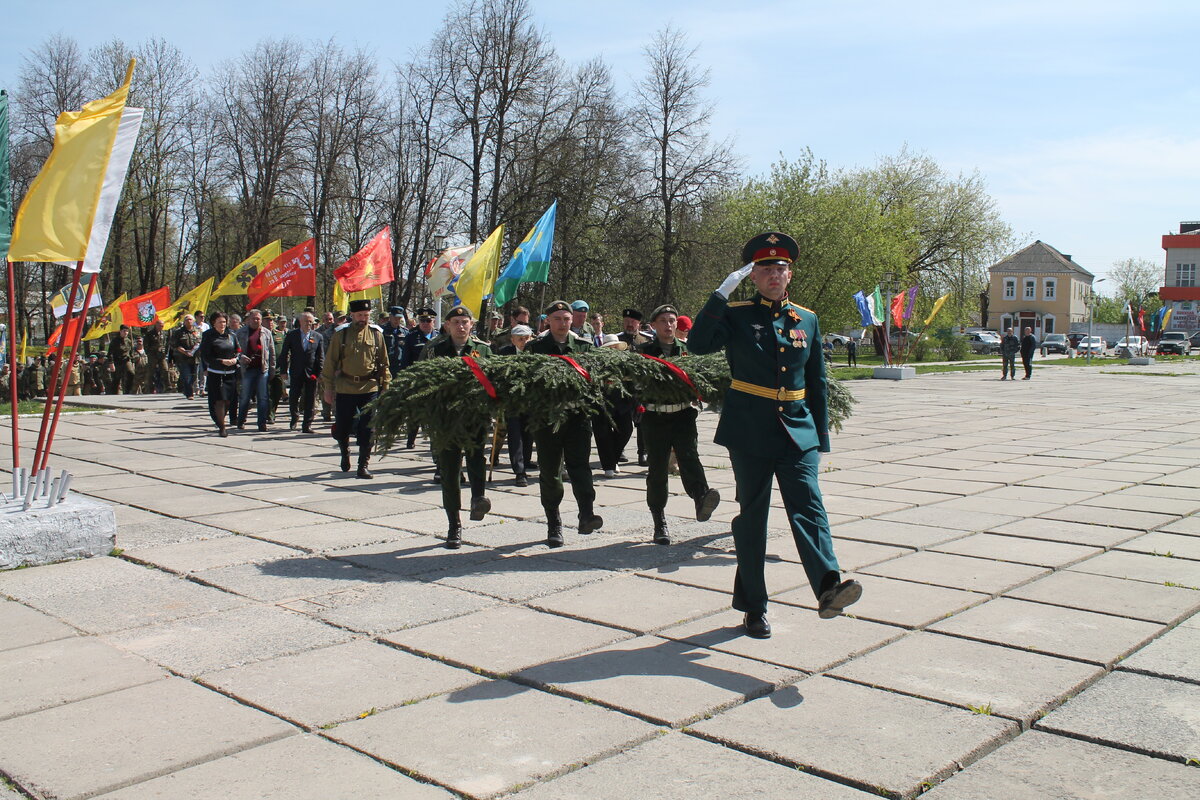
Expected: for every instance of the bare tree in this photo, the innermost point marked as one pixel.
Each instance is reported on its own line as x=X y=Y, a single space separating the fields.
x=1135 y=278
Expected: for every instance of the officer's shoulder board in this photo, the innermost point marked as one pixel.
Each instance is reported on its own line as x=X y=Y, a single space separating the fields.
x=374 y=326
x=342 y=327
x=802 y=308
x=741 y=303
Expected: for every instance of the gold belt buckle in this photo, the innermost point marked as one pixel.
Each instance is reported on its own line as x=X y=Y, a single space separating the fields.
x=781 y=394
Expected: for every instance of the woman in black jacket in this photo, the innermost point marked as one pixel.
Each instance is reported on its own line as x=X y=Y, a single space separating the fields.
x=219 y=350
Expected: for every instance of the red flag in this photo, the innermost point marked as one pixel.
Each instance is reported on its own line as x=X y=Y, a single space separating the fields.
x=141 y=310
x=72 y=330
x=293 y=274
x=898 y=309
x=370 y=266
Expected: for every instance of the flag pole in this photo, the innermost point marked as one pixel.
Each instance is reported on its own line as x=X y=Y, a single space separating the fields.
x=62 y=392
x=53 y=382
x=12 y=363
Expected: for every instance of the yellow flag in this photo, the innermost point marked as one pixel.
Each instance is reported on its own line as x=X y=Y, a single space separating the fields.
x=195 y=300
x=238 y=278
x=24 y=343
x=341 y=300
x=479 y=275
x=65 y=200
x=110 y=320
x=937 y=306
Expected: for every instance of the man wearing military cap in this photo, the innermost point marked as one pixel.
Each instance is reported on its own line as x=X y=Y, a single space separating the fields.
x=394 y=336
x=354 y=373
x=572 y=442
x=672 y=427
x=416 y=339
x=625 y=414
x=774 y=424
x=457 y=343
x=579 y=323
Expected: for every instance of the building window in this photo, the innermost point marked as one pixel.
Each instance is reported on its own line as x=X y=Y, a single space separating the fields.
x=1005 y=323
x=1010 y=288
x=1051 y=288
x=1185 y=274
x=1048 y=323
x=1030 y=288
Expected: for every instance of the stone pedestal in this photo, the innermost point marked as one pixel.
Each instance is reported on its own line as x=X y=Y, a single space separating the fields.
x=78 y=527
x=894 y=373
x=1141 y=361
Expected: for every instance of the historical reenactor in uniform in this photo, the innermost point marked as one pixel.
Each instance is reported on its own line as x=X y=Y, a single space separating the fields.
x=120 y=356
x=355 y=372
x=458 y=343
x=301 y=360
x=276 y=387
x=417 y=338
x=141 y=367
x=572 y=442
x=185 y=342
x=394 y=335
x=774 y=424
x=154 y=341
x=672 y=427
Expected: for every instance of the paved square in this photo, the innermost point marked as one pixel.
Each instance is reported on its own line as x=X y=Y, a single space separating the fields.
x=1014 y=562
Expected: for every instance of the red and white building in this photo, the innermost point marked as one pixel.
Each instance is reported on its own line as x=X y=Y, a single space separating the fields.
x=1180 y=290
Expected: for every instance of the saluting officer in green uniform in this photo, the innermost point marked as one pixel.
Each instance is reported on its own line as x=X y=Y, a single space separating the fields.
x=774 y=424
x=355 y=372
x=458 y=343
x=667 y=427
x=572 y=442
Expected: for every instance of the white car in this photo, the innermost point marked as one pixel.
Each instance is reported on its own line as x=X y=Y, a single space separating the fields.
x=1137 y=345
x=1091 y=344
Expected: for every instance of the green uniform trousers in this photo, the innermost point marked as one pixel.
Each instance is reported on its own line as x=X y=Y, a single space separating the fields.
x=663 y=433
x=571 y=443
x=449 y=463
x=796 y=473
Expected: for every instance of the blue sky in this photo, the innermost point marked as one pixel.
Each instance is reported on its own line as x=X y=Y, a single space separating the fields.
x=1080 y=116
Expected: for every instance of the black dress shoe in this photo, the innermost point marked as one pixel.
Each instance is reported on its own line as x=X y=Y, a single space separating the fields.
x=756 y=625
x=706 y=504
x=554 y=536
x=589 y=523
x=480 y=506
x=292 y=425
x=364 y=473
x=521 y=480
x=454 y=536
x=306 y=429
x=833 y=601
x=642 y=462
x=622 y=459
x=345 y=465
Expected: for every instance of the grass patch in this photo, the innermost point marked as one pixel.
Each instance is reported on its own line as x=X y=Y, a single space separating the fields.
x=27 y=408
x=985 y=709
x=859 y=373
x=1145 y=374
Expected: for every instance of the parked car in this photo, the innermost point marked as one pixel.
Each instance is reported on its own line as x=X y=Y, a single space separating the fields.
x=1175 y=342
x=1195 y=339
x=1054 y=343
x=836 y=339
x=1092 y=344
x=984 y=342
x=1136 y=346
x=1074 y=337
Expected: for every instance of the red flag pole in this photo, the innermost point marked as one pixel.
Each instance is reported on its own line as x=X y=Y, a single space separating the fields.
x=52 y=384
x=62 y=392
x=12 y=363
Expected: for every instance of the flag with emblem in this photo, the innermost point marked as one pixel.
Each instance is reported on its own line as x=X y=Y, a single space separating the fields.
x=370 y=266
x=71 y=331
x=293 y=274
x=446 y=268
x=238 y=279
x=58 y=303
x=530 y=262
x=195 y=300
x=140 y=311
x=479 y=275
x=110 y=320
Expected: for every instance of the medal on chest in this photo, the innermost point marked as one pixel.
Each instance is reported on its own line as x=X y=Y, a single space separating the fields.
x=758 y=330
x=798 y=338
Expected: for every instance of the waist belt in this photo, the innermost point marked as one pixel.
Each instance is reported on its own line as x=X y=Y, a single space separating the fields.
x=667 y=409
x=359 y=378
x=212 y=371
x=767 y=391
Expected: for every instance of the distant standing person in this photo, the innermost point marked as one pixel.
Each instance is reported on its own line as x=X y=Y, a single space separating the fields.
x=1009 y=346
x=1028 y=345
x=851 y=353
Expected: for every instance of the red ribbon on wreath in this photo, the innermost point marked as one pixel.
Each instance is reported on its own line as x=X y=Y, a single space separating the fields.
x=574 y=364
x=677 y=372
x=479 y=376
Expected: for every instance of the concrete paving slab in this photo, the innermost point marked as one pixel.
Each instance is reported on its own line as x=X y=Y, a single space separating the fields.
x=202 y=554
x=230 y=638
x=256 y=521
x=422 y=556
x=1142 y=567
x=104 y=743
x=662 y=681
x=801 y=639
x=1136 y=712
x=1172 y=655
x=44 y=675
x=1132 y=502
x=873 y=739
x=186 y=503
x=851 y=554
x=429 y=521
x=677 y=765
x=1012 y=683
x=1066 y=532
x=295 y=768
x=1188 y=525
x=946 y=485
x=387 y=607
x=619 y=554
x=30 y=585
x=494 y=737
x=936 y=516
x=896 y=602
x=989 y=505
x=716 y=571
x=1093 y=515
x=635 y=603
x=503 y=639
x=364 y=505
x=957 y=572
x=1108 y=595
x=1035 y=552
x=338 y=683
x=1172 y=545
x=1053 y=630
x=24 y=626
x=289 y=578
x=515 y=578
x=1037 y=766
x=1188 y=477
x=900 y=534
x=334 y=536
x=1020 y=494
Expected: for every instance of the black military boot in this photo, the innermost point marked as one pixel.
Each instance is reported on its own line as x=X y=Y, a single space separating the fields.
x=364 y=458
x=480 y=506
x=554 y=534
x=706 y=504
x=454 y=531
x=589 y=522
x=661 y=535
x=345 y=446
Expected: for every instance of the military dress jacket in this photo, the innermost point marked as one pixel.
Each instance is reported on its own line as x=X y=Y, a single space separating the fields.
x=357 y=361
x=774 y=352
x=655 y=348
x=546 y=345
x=474 y=347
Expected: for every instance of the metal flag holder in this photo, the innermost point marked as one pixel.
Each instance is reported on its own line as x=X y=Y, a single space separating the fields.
x=30 y=488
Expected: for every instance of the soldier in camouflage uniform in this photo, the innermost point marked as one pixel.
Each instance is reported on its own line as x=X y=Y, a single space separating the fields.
x=141 y=368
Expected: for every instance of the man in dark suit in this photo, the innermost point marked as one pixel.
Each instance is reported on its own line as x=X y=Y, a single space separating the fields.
x=1028 y=345
x=774 y=424
x=302 y=359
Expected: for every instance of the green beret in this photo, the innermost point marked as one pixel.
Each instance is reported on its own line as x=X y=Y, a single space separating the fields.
x=459 y=311
x=663 y=309
x=557 y=305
